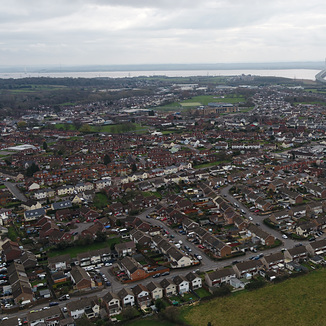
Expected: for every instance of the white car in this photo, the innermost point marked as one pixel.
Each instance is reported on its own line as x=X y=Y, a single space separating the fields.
x=250 y=218
x=284 y=236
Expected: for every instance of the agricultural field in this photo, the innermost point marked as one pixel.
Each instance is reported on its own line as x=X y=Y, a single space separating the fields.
x=296 y=301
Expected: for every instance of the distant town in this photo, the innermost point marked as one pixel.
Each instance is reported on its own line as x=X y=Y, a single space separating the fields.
x=121 y=198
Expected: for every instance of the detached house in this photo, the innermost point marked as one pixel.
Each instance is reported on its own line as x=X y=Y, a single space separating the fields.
x=156 y=290
x=182 y=284
x=169 y=287
x=127 y=297
x=112 y=303
x=195 y=281
x=142 y=295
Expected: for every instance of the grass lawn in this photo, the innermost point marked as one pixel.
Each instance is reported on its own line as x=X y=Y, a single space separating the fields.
x=205 y=99
x=74 y=251
x=149 y=322
x=297 y=301
x=202 y=293
x=100 y=200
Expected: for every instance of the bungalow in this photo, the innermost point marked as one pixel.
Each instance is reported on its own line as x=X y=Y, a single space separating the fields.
x=219 y=277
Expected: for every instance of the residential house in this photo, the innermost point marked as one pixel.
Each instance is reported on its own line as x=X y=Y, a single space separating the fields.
x=59 y=263
x=295 y=254
x=182 y=284
x=11 y=251
x=81 y=278
x=250 y=267
x=273 y=261
x=142 y=295
x=156 y=290
x=49 y=317
x=127 y=297
x=34 y=214
x=112 y=303
x=85 y=306
x=125 y=248
x=317 y=247
x=265 y=238
x=220 y=276
x=132 y=268
x=195 y=281
x=169 y=287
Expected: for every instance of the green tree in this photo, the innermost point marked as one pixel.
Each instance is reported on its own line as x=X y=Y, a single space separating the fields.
x=107 y=159
x=31 y=170
x=133 y=167
x=159 y=304
x=85 y=128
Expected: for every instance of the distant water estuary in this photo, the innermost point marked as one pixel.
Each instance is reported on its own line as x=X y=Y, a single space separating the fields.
x=298 y=74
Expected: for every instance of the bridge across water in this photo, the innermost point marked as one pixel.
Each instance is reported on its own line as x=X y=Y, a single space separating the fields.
x=321 y=76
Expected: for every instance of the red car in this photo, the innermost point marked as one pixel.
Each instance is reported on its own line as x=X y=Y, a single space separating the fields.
x=201 y=247
x=257 y=210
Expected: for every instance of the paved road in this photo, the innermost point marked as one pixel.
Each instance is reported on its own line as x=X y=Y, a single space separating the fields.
x=15 y=191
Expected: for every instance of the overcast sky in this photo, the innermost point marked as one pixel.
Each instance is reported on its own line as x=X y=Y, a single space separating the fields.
x=77 y=32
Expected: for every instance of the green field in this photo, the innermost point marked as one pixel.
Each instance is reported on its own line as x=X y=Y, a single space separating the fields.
x=74 y=251
x=149 y=322
x=189 y=104
x=298 y=301
x=114 y=129
x=205 y=99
